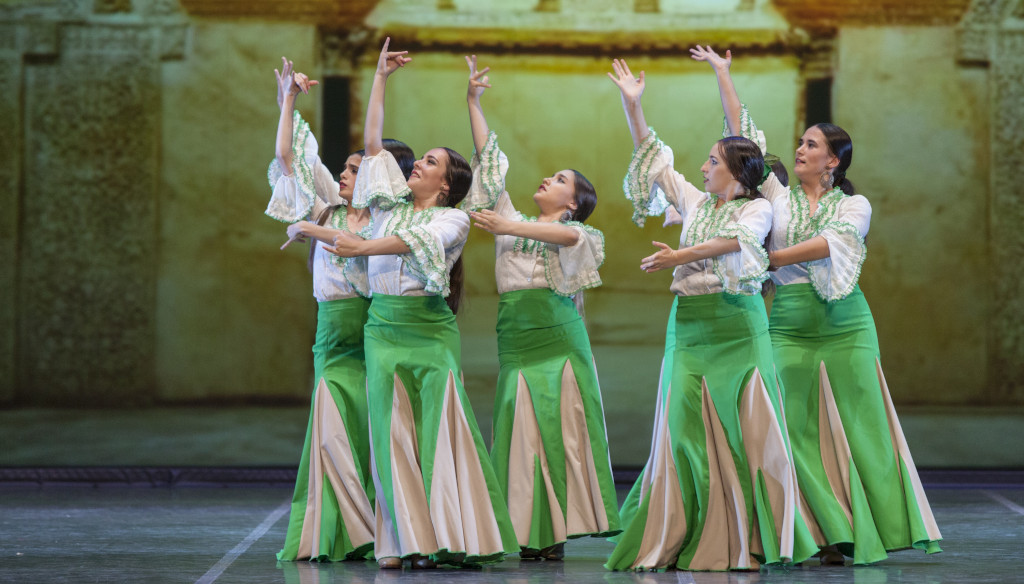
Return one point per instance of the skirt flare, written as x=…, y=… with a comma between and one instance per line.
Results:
x=331, y=514
x=860, y=484
x=719, y=490
x=550, y=449
x=437, y=494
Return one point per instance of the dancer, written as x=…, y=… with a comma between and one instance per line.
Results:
x=550, y=449
x=855, y=470
x=718, y=491
x=437, y=496
x=331, y=516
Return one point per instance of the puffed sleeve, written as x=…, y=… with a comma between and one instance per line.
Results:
x=293, y=194
x=743, y=271
x=380, y=183
x=748, y=130
x=489, y=169
x=772, y=189
x=574, y=267
x=836, y=276
x=651, y=183
x=434, y=246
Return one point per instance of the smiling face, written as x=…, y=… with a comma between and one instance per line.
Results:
x=557, y=193
x=347, y=177
x=813, y=156
x=717, y=178
x=428, y=174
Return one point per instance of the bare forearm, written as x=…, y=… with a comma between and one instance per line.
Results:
x=731, y=105
x=711, y=248
x=390, y=245
x=283, y=146
x=320, y=233
x=478, y=123
x=373, y=131
x=815, y=248
x=635, y=117
x=555, y=233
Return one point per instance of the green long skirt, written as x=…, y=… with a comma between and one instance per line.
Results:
x=436, y=491
x=862, y=490
x=719, y=489
x=331, y=515
x=550, y=448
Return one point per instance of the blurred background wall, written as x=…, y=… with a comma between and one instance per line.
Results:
x=137, y=268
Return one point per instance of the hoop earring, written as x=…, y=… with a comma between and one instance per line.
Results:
x=826, y=180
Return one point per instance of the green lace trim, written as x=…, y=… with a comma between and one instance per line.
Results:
x=593, y=283
x=526, y=245
x=708, y=220
x=816, y=267
x=637, y=186
x=804, y=226
x=426, y=264
x=745, y=236
x=488, y=165
x=748, y=129
x=301, y=169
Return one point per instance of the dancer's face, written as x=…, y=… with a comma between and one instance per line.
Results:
x=428, y=173
x=717, y=178
x=347, y=177
x=813, y=156
x=557, y=193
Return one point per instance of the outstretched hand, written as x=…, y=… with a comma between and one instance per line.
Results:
x=631, y=87
x=391, y=61
x=478, y=80
x=663, y=259
x=490, y=221
x=709, y=56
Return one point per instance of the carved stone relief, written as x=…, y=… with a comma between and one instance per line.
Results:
x=991, y=35
x=85, y=205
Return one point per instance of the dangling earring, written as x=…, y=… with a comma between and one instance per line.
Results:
x=567, y=215
x=826, y=180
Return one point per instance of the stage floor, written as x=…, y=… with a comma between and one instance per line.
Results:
x=62, y=534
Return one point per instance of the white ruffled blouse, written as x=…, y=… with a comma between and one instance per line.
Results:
x=435, y=236
x=302, y=195
x=842, y=220
x=521, y=263
x=652, y=185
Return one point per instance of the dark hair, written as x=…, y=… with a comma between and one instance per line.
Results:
x=585, y=198
x=745, y=162
x=778, y=169
x=459, y=176
x=841, y=146
x=402, y=153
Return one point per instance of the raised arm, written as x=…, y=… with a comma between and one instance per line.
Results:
x=289, y=84
x=731, y=105
x=373, y=131
x=631, y=88
x=478, y=82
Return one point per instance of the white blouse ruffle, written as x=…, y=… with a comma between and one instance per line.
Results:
x=652, y=185
x=564, y=269
x=303, y=194
x=435, y=236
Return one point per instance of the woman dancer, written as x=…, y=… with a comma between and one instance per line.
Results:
x=718, y=491
x=331, y=515
x=550, y=449
x=437, y=496
x=853, y=464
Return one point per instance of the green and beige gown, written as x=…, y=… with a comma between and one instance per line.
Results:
x=437, y=494
x=858, y=479
x=719, y=490
x=550, y=448
x=331, y=516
